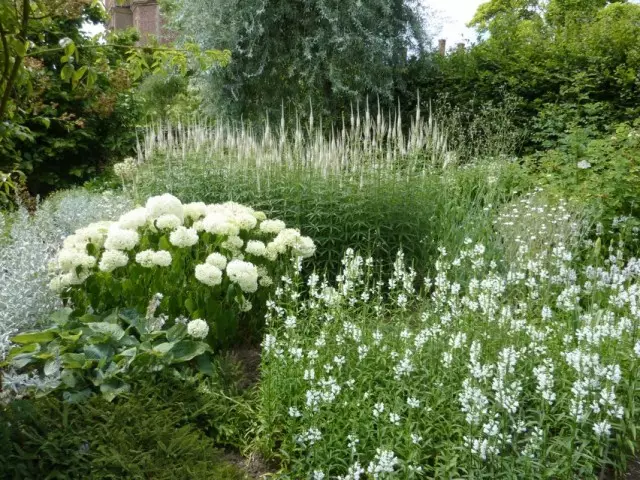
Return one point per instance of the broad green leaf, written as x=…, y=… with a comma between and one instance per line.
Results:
x=77, y=397
x=205, y=365
x=68, y=378
x=114, y=331
x=29, y=348
x=73, y=360
x=189, y=305
x=71, y=335
x=186, y=350
x=61, y=317
x=163, y=347
x=51, y=367
x=78, y=74
x=177, y=332
x=67, y=72
x=98, y=352
x=34, y=337
x=112, y=389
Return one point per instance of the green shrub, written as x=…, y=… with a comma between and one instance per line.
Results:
x=601, y=175
x=143, y=436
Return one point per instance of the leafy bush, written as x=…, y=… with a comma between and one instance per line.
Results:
x=599, y=174
x=522, y=369
x=141, y=436
x=91, y=352
x=369, y=186
x=28, y=242
x=183, y=252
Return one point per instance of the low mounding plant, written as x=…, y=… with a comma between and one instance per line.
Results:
x=82, y=354
x=497, y=369
x=208, y=261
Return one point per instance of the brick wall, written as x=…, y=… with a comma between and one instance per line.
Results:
x=143, y=15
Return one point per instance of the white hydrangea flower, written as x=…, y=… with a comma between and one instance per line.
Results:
x=183, y=237
x=95, y=233
x=272, y=226
x=112, y=259
x=256, y=247
x=161, y=258
x=233, y=243
x=209, y=274
x=121, y=239
x=134, y=219
x=151, y=258
x=164, y=205
x=198, y=329
x=220, y=224
x=168, y=221
x=195, y=211
x=290, y=238
x=245, y=274
x=217, y=260
x=70, y=259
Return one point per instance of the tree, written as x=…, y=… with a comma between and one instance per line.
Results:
x=327, y=52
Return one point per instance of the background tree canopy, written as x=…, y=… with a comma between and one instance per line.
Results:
x=326, y=52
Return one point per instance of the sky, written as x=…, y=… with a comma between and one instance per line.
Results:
x=453, y=15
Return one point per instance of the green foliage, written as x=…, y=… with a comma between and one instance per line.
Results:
x=140, y=436
x=569, y=64
x=340, y=199
x=599, y=174
x=90, y=353
x=292, y=53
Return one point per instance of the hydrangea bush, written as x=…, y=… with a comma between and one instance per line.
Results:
x=210, y=262
x=519, y=369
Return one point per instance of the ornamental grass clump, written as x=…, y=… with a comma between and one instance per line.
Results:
x=212, y=262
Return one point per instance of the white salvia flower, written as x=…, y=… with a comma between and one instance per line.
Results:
x=583, y=165
x=134, y=219
x=384, y=462
x=602, y=429
x=195, y=211
x=378, y=408
x=416, y=439
x=318, y=475
x=413, y=402
x=256, y=247
x=290, y=322
x=217, y=260
x=112, y=259
x=121, y=239
x=294, y=412
x=394, y=418
x=183, y=237
x=636, y=348
x=209, y=274
x=246, y=305
x=165, y=204
x=272, y=226
x=198, y=329
x=244, y=274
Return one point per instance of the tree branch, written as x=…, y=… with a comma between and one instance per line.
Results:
x=22, y=35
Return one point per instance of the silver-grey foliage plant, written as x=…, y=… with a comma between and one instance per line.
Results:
x=28, y=242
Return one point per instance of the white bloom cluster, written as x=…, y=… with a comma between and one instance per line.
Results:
x=126, y=169
x=198, y=329
x=180, y=224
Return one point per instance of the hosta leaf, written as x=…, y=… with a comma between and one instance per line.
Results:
x=177, y=332
x=98, y=352
x=163, y=347
x=73, y=360
x=29, y=348
x=71, y=335
x=61, y=317
x=112, y=389
x=114, y=331
x=186, y=350
x=34, y=337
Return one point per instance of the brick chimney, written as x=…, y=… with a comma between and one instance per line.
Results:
x=442, y=46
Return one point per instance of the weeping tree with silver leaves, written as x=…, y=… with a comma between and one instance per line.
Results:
x=329, y=53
